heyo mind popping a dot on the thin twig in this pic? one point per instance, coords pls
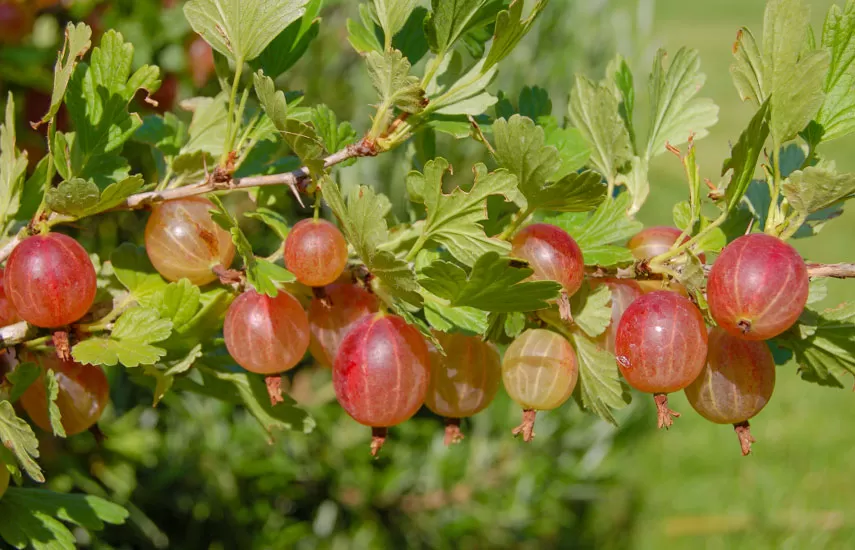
(815, 271)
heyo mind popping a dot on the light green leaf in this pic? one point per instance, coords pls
(837, 114)
(573, 149)
(134, 270)
(510, 29)
(178, 302)
(21, 378)
(744, 156)
(599, 383)
(795, 78)
(520, 147)
(594, 111)
(494, 284)
(678, 114)
(130, 341)
(290, 45)
(208, 126)
(464, 95)
(747, 68)
(335, 136)
(446, 318)
(815, 188)
(361, 33)
(13, 166)
(392, 15)
(453, 220)
(242, 29)
(636, 182)
(273, 219)
(18, 437)
(77, 43)
(116, 193)
(592, 310)
(390, 75)
(608, 224)
(448, 21)
(52, 387)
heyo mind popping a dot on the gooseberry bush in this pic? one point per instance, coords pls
(527, 272)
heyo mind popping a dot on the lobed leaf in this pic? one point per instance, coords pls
(54, 414)
(836, 116)
(13, 166)
(290, 44)
(390, 75)
(744, 156)
(510, 29)
(824, 345)
(600, 387)
(77, 43)
(18, 437)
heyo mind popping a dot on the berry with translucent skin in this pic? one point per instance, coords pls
(552, 254)
(735, 384)
(50, 280)
(332, 316)
(183, 241)
(266, 335)
(661, 346)
(463, 381)
(539, 372)
(757, 287)
(624, 292)
(83, 393)
(315, 252)
(8, 313)
(381, 373)
(653, 241)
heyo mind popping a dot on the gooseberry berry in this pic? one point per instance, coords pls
(315, 252)
(661, 346)
(8, 314)
(266, 335)
(83, 393)
(757, 287)
(381, 373)
(332, 316)
(552, 254)
(624, 292)
(50, 280)
(653, 241)
(539, 372)
(182, 241)
(735, 384)
(463, 381)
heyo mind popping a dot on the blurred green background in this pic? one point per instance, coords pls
(197, 473)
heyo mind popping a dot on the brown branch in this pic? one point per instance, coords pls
(837, 271)
(815, 271)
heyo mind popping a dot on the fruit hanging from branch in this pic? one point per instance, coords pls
(539, 372)
(552, 254)
(736, 383)
(381, 373)
(332, 315)
(661, 347)
(315, 252)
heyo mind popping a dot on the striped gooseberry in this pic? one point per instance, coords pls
(315, 252)
(552, 254)
(333, 315)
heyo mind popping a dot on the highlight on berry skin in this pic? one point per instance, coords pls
(315, 252)
(183, 241)
(552, 254)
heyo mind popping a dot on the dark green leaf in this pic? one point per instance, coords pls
(826, 352)
(600, 386)
(744, 155)
(510, 29)
(290, 45)
(21, 378)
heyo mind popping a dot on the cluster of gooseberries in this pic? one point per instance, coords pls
(384, 369)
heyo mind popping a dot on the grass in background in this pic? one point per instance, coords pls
(796, 490)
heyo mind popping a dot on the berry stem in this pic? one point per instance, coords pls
(62, 345)
(743, 432)
(274, 389)
(664, 414)
(452, 431)
(527, 426)
(378, 438)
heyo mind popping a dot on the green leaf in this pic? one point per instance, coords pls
(592, 310)
(815, 188)
(335, 136)
(73, 197)
(361, 34)
(33, 517)
(520, 147)
(573, 193)
(290, 45)
(208, 126)
(242, 29)
(178, 302)
(77, 43)
(594, 111)
(625, 84)
(826, 352)
(204, 325)
(55, 416)
(608, 224)
(453, 220)
(793, 78)
(97, 98)
(165, 377)
(273, 219)
(18, 437)
(678, 114)
(836, 116)
(494, 284)
(744, 155)
(747, 68)
(392, 15)
(13, 166)
(510, 29)
(452, 93)
(130, 341)
(599, 383)
(573, 149)
(390, 75)
(446, 318)
(134, 270)
(21, 378)
(448, 21)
